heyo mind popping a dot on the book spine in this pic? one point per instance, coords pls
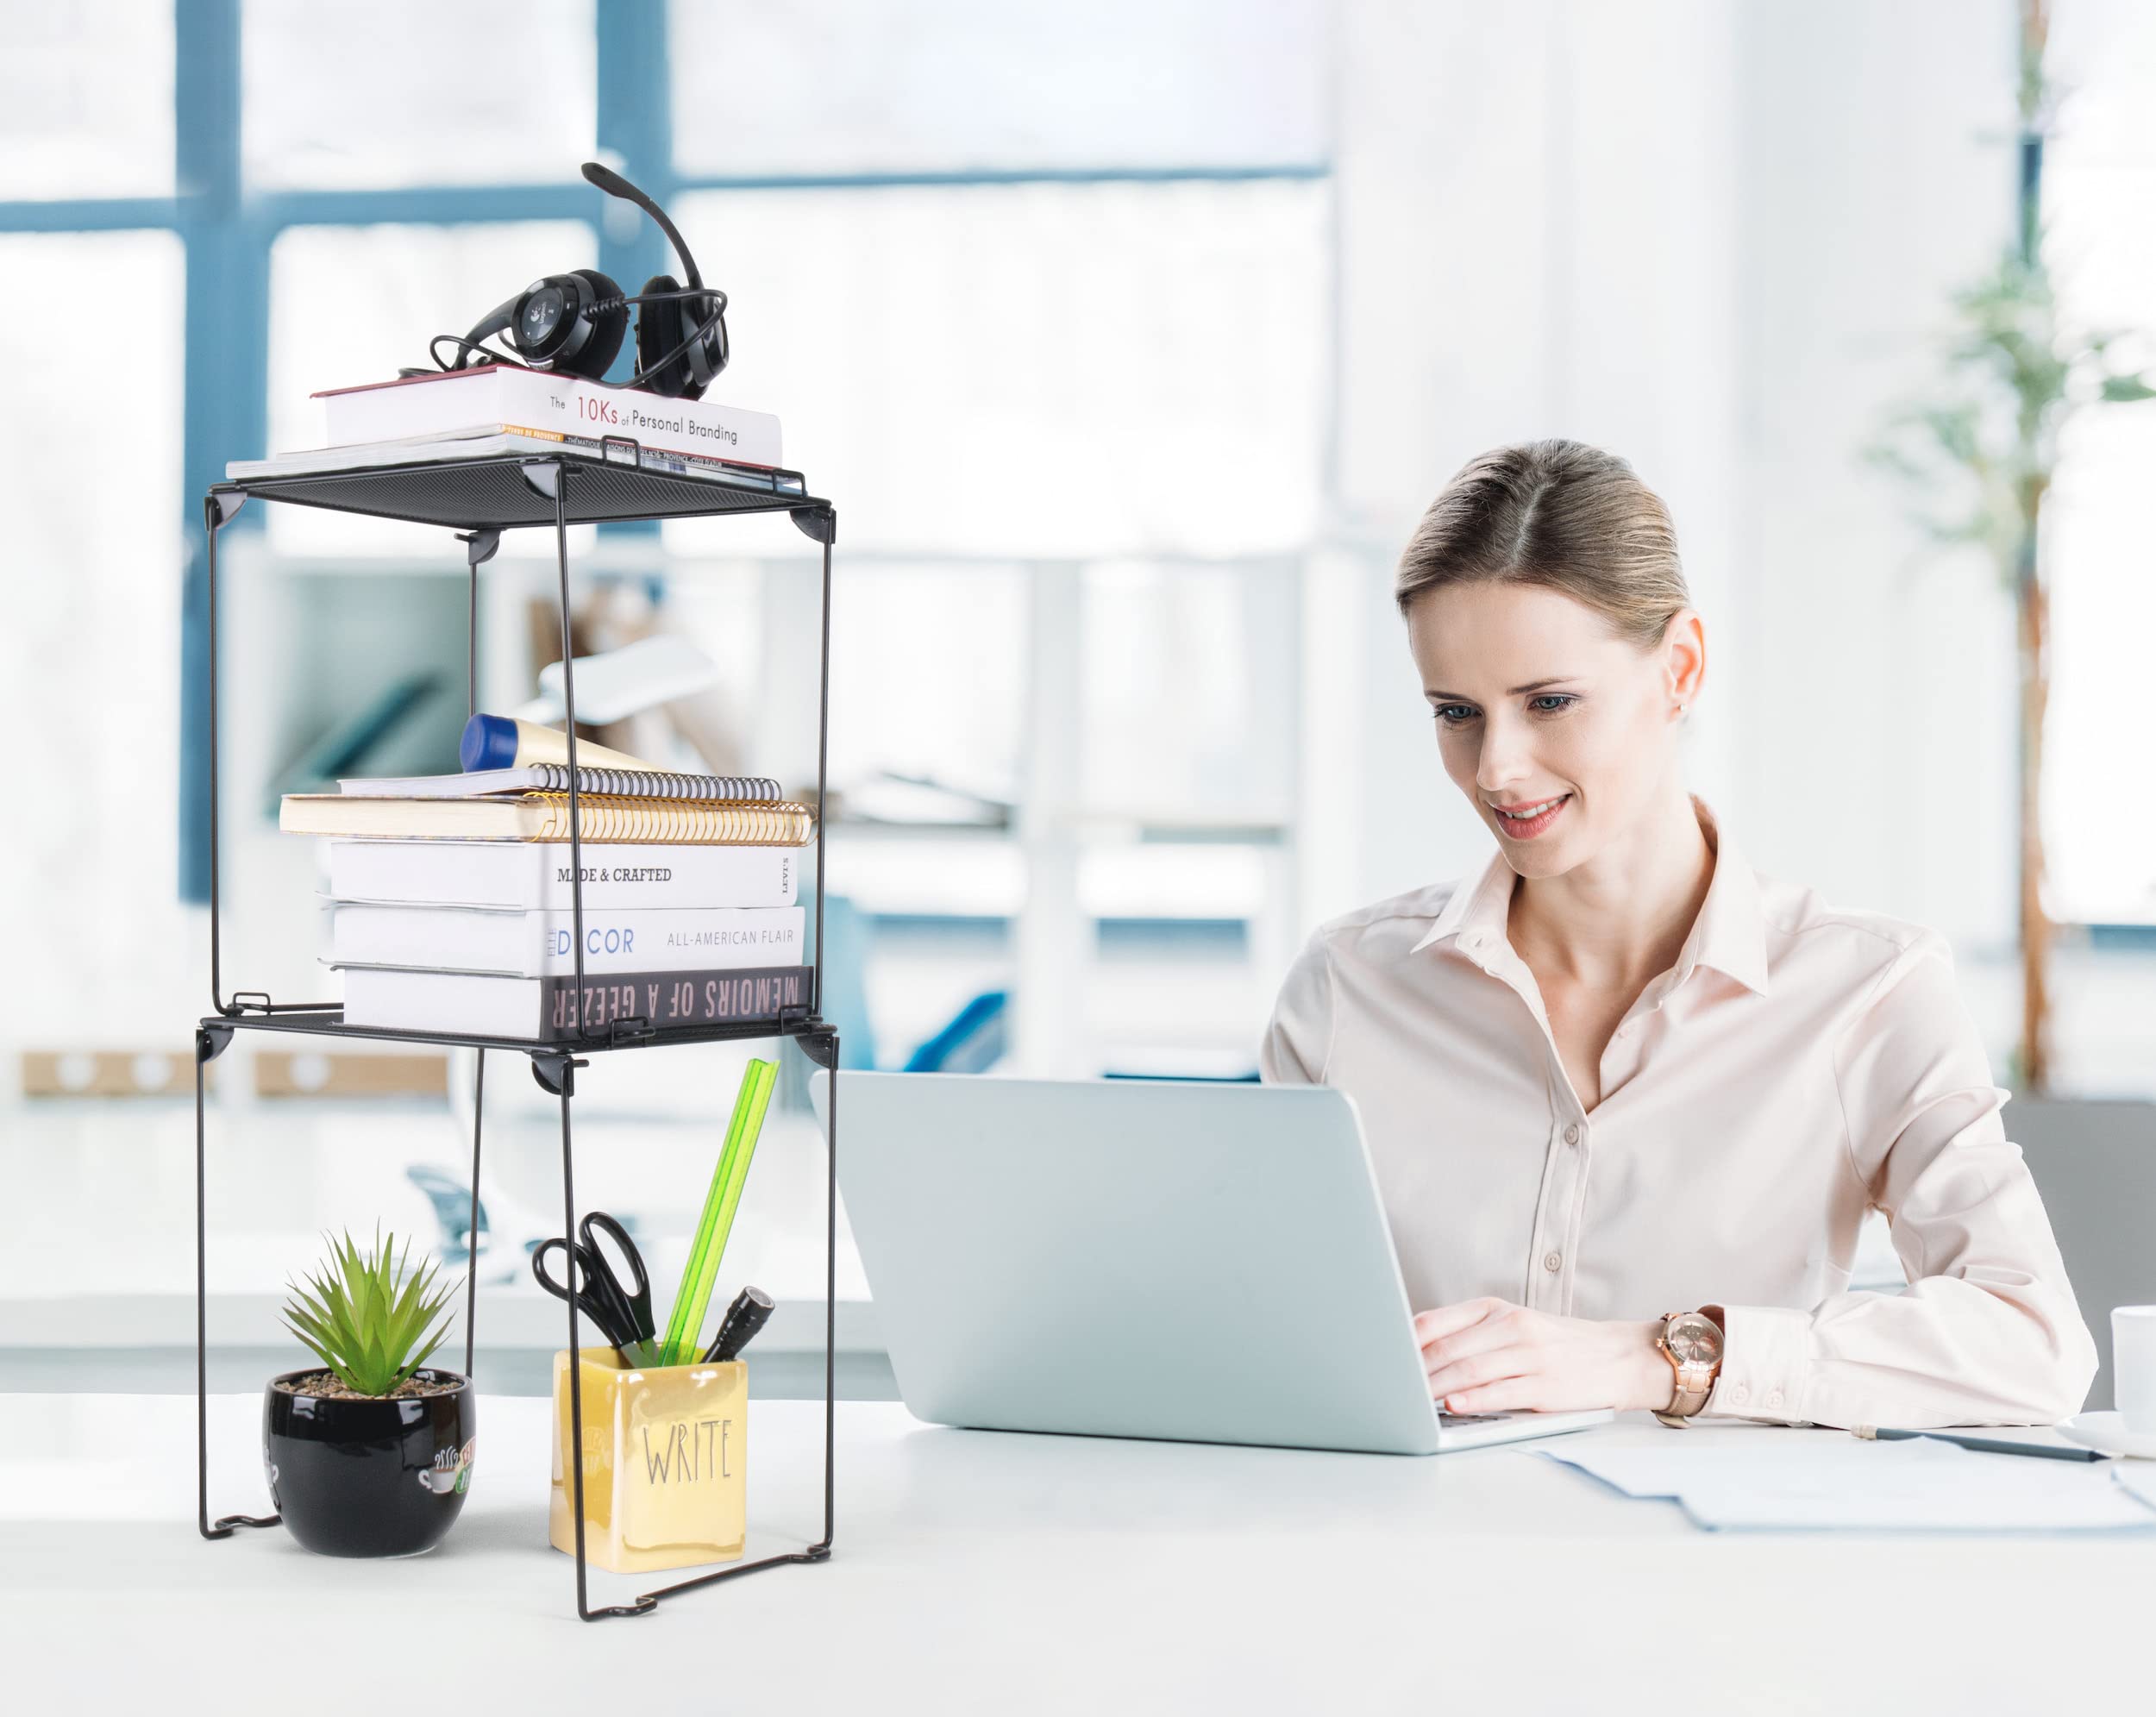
(666, 999)
(517, 875)
(535, 944)
(564, 405)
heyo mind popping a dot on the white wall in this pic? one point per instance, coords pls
(1879, 708)
(1706, 237)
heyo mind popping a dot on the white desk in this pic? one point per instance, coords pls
(1009, 1573)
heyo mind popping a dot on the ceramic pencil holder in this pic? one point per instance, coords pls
(665, 1463)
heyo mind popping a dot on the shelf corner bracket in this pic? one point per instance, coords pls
(556, 1074)
(480, 546)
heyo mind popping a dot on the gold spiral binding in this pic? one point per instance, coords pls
(685, 822)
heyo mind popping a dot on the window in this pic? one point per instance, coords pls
(963, 86)
(1041, 368)
(352, 305)
(86, 101)
(2101, 182)
(88, 650)
(492, 91)
(1008, 322)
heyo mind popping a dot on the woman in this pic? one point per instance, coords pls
(1619, 1077)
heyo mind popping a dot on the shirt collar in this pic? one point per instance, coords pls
(1728, 935)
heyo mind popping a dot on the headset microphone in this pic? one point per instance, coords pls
(574, 324)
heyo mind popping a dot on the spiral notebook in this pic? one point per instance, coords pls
(555, 778)
(545, 816)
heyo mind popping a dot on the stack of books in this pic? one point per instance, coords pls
(451, 909)
(500, 409)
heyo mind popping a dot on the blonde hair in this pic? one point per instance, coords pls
(1558, 514)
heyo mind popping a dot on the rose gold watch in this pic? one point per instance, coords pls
(1692, 1343)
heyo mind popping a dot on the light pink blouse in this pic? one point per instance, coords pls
(1799, 1063)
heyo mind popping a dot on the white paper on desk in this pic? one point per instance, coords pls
(2136, 1477)
(1807, 1479)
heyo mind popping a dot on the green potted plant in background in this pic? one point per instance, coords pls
(1980, 454)
(369, 1454)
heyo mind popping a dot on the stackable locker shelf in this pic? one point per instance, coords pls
(478, 499)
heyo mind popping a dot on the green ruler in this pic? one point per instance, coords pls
(685, 1327)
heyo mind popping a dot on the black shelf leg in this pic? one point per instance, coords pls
(217, 510)
(558, 1073)
(821, 1047)
(210, 1042)
(826, 1051)
(479, 547)
(472, 1221)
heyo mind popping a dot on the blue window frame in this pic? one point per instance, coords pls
(227, 235)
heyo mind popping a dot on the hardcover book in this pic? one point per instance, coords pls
(603, 818)
(535, 944)
(499, 393)
(546, 1009)
(492, 441)
(529, 876)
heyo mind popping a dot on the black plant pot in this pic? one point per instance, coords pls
(368, 1477)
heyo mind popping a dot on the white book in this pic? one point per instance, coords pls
(527, 875)
(482, 1005)
(499, 393)
(542, 944)
(492, 442)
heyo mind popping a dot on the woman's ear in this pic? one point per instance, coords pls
(1684, 656)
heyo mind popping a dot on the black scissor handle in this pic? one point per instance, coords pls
(592, 1296)
(606, 1224)
(559, 1290)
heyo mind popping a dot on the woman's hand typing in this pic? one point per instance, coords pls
(1490, 1356)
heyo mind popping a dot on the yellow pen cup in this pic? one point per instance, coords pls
(665, 1463)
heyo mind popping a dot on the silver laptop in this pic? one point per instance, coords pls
(1198, 1262)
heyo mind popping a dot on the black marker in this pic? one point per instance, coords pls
(751, 1307)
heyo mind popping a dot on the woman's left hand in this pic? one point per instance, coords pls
(1490, 1356)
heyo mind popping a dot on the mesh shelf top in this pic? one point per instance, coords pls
(510, 490)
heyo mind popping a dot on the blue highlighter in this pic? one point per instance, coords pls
(489, 743)
(505, 742)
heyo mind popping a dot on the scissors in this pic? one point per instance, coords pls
(623, 1316)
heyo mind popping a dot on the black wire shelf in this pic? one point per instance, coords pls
(327, 1020)
(508, 491)
(480, 498)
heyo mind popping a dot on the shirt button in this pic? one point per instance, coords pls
(1774, 1398)
(1551, 1261)
(1572, 1133)
(1740, 1393)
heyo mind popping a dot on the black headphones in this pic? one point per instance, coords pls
(573, 325)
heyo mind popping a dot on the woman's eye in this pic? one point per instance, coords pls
(1549, 704)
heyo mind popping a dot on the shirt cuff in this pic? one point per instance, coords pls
(1766, 1352)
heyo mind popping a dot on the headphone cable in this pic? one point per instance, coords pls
(489, 357)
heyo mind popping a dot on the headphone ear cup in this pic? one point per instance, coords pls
(608, 326)
(659, 329)
(707, 357)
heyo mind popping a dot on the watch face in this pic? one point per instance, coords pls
(1694, 1340)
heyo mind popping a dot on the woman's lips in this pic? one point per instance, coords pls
(1527, 830)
